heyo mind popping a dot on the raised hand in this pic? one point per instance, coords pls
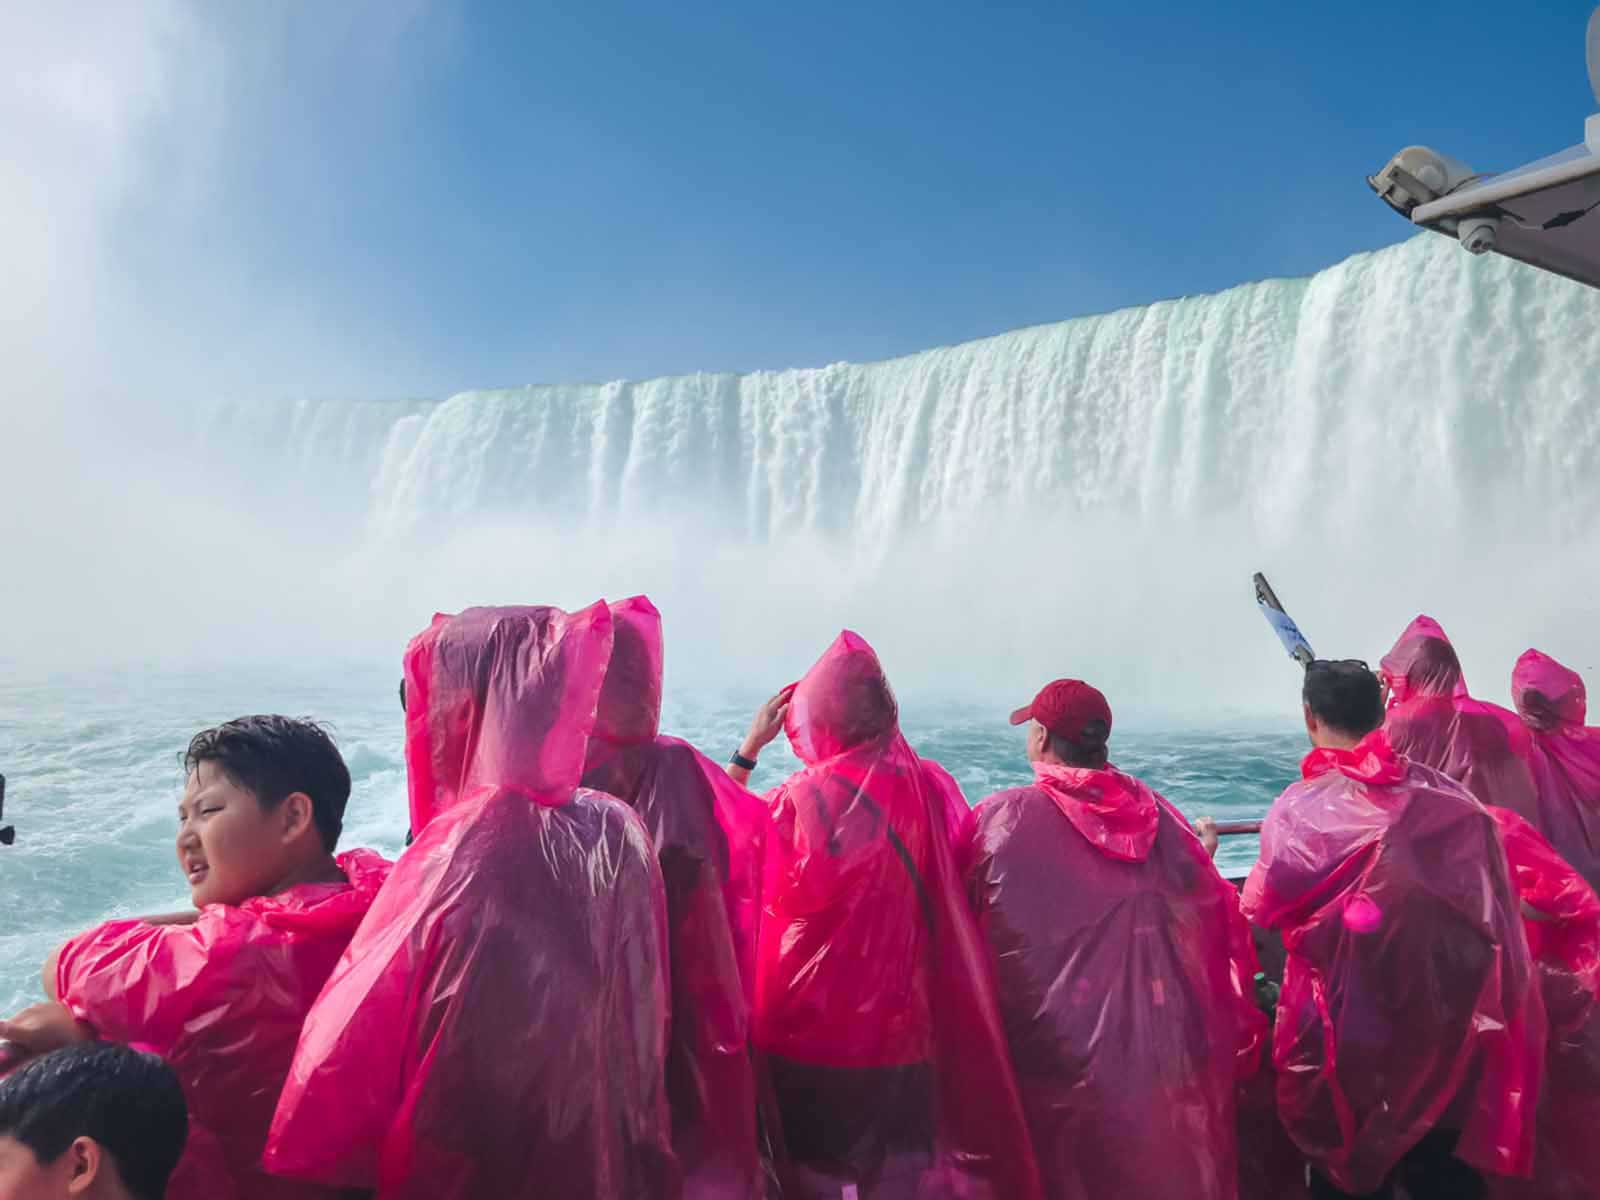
(764, 727)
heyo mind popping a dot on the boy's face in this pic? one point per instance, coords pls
(23, 1177)
(229, 847)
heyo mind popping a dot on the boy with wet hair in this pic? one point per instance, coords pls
(222, 992)
(262, 809)
(95, 1122)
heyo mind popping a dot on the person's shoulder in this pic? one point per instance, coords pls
(1420, 716)
(362, 865)
(1492, 725)
(111, 938)
(1422, 778)
(604, 816)
(1010, 805)
(1166, 810)
(1305, 803)
(1000, 826)
(129, 960)
(1303, 789)
(675, 749)
(783, 794)
(591, 805)
(674, 759)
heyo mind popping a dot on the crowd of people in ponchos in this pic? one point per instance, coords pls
(603, 968)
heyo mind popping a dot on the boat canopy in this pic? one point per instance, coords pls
(1546, 214)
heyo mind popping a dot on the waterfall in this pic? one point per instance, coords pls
(1410, 428)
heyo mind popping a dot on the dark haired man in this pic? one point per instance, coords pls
(1410, 1030)
(1122, 963)
(222, 994)
(97, 1122)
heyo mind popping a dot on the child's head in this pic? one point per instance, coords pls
(97, 1121)
(264, 800)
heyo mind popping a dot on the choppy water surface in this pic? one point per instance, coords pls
(94, 773)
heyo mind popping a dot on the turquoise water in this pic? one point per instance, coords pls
(93, 765)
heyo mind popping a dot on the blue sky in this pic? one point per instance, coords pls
(408, 198)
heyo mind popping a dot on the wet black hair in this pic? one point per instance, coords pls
(128, 1102)
(273, 757)
(1088, 749)
(1344, 694)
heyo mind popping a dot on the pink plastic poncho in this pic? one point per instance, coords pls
(873, 995)
(710, 836)
(1432, 720)
(1123, 965)
(222, 1000)
(1562, 921)
(1565, 757)
(1409, 999)
(498, 1027)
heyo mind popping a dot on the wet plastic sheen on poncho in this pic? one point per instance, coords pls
(1409, 999)
(1562, 921)
(1565, 757)
(498, 1026)
(710, 836)
(1122, 962)
(222, 1000)
(1432, 720)
(873, 995)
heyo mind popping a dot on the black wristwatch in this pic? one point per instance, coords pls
(743, 763)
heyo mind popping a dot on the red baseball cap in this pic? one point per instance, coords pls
(1065, 707)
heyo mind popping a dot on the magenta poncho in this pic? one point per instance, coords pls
(498, 1026)
(1565, 757)
(710, 836)
(222, 1000)
(1409, 998)
(1562, 920)
(870, 969)
(1432, 720)
(1123, 966)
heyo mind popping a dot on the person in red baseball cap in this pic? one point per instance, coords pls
(1068, 720)
(1122, 964)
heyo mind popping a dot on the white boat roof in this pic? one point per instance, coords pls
(1546, 214)
(1548, 211)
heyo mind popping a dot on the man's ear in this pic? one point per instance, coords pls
(1311, 719)
(86, 1164)
(298, 815)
